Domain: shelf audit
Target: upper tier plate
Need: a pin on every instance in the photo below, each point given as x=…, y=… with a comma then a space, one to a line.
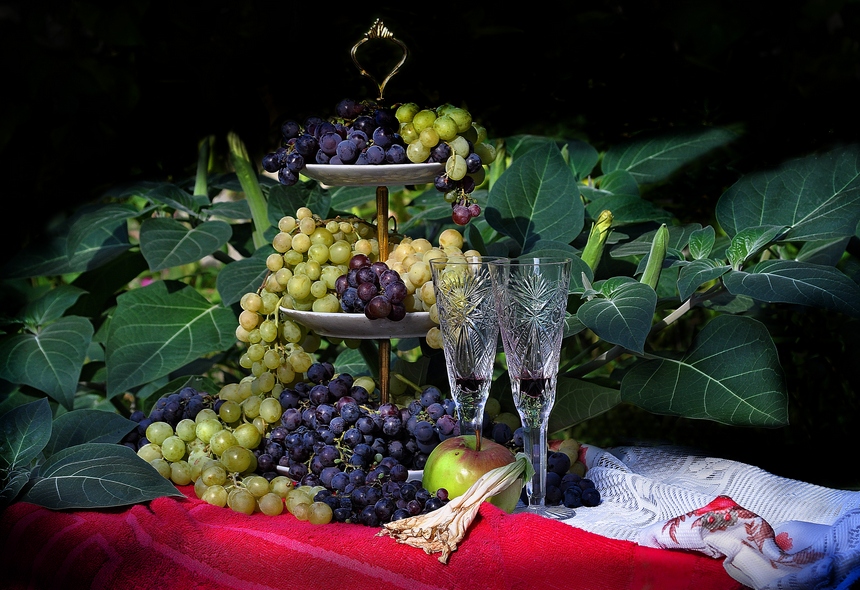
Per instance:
x=370, y=175
x=357, y=326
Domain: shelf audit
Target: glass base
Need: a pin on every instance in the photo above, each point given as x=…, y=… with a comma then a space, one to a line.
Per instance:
x=560, y=512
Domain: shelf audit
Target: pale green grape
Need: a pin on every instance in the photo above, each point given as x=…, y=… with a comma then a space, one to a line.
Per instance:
x=285, y=373
x=266, y=382
x=300, y=361
x=417, y=152
x=149, y=452
x=366, y=382
x=320, y=513
x=248, y=436
x=173, y=448
x=281, y=485
x=434, y=338
x=241, y=500
x=291, y=331
x=455, y=167
x=214, y=475
x=208, y=427
x=461, y=118
x=251, y=406
x=323, y=236
x=269, y=330
x=221, y=441
x=300, y=286
x=274, y=262
x=307, y=225
x=318, y=289
x=257, y=485
x=271, y=504
x=199, y=488
x=215, y=495
x=460, y=146
x=271, y=359
x=408, y=133
x=162, y=466
x=229, y=412
x=205, y=414
x=251, y=302
x=287, y=223
x=406, y=112
x=245, y=361
x=237, y=459
x=330, y=274
x=271, y=410
x=256, y=352
x=319, y=253
x=180, y=473
x=328, y=303
x=423, y=119
x=419, y=273
x=294, y=257
x=283, y=276
x=445, y=127
x=429, y=137
x=282, y=242
x=228, y=391
x=157, y=432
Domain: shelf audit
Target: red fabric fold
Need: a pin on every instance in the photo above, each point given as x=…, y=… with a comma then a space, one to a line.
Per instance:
x=188, y=544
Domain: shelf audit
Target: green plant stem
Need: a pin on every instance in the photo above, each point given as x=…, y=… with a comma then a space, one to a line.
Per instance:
x=201, y=186
x=251, y=186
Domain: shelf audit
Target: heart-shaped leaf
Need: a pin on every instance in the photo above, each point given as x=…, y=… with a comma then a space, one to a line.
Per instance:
x=166, y=243
x=49, y=360
x=26, y=430
x=160, y=328
x=697, y=273
x=51, y=305
x=702, y=242
x=801, y=283
x=818, y=197
x=653, y=159
x=537, y=198
x=174, y=197
x=749, y=241
x=87, y=426
x=242, y=276
x=582, y=157
x=97, y=475
x=624, y=315
x=731, y=374
x=627, y=209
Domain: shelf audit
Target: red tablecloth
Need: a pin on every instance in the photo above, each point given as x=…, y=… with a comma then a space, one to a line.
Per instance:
x=188, y=544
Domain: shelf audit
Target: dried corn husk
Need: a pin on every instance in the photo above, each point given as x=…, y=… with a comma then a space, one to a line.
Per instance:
x=441, y=531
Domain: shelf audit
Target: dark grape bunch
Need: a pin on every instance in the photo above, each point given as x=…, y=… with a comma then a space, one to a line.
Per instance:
x=172, y=408
x=365, y=133
x=371, y=288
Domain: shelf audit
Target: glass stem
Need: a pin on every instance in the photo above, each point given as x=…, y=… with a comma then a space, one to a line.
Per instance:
x=534, y=439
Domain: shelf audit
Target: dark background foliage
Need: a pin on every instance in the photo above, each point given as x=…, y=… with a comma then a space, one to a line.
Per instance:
x=97, y=94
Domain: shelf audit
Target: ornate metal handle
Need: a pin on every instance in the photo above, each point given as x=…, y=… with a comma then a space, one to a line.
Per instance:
x=379, y=31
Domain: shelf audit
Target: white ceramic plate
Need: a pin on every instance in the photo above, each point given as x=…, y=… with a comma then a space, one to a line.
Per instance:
x=370, y=175
x=357, y=326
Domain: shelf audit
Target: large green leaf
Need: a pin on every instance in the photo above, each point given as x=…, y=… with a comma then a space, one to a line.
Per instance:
x=731, y=374
x=242, y=276
x=166, y=243
x=51, y=305
x=750, y=241
x=697, y=273
x=623, y=315
x=285, y=200
x=577, y=400
x=97, y=475
x=236, y=210
x=87, y=426
x=679, y=237
x=26, y=430
x=345, y=198
x=582, y=157
x=536, y=198
x=627, y=209
x=653, y=159
x=174, y=197
x=818, y=197
x=160, y=328
x=49, y=360
x=801, y=283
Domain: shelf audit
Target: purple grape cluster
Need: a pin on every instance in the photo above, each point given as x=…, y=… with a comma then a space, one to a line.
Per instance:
x=563, y=487
x=332, y=435
x=371, y=288
x=360, y=133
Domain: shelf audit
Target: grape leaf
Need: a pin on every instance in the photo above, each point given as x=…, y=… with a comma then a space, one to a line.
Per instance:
x=26, y=430
x=86, y=426
x=49, y=360
x=623, y=315
x=618, y=182
x=749, y=241
x=537, y=198
x=160, y=328
x=802, y=283
x=702, y=242
x=731, y=374
x=817, y=196
x=97, y=475
x=582, y=157
x=166, y=243
x=653, y=159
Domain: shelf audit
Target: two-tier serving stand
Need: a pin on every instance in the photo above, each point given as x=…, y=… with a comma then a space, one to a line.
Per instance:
x=357, y=326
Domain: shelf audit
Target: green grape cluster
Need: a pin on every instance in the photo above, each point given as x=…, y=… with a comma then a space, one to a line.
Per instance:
x=448, y=134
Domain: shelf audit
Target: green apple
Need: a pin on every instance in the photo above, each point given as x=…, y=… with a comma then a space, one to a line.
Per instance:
x=455, y=465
